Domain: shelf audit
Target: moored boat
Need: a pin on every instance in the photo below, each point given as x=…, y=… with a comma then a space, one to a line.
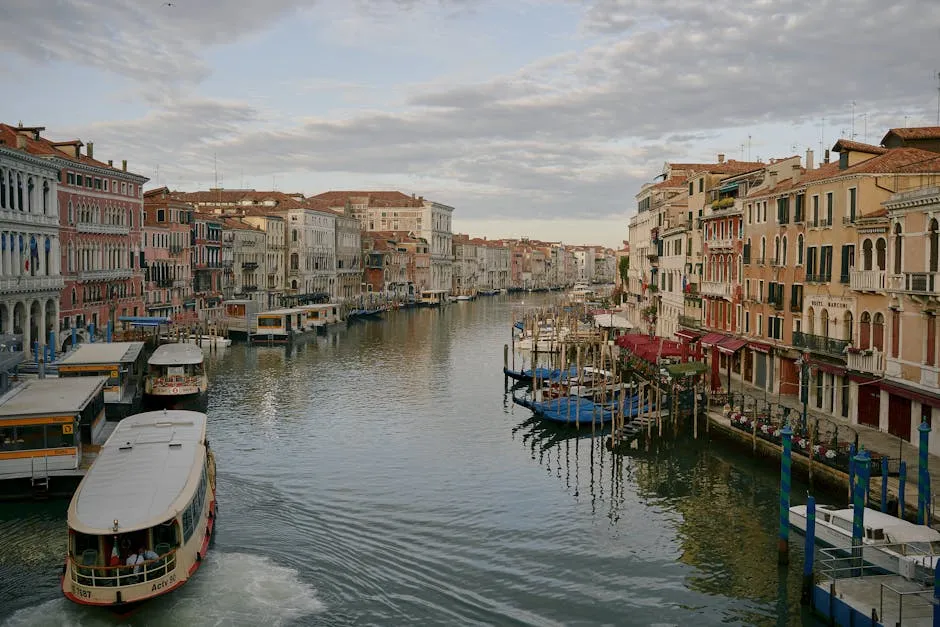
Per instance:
x=176, y=375
x=279, y=326
x=136, y=534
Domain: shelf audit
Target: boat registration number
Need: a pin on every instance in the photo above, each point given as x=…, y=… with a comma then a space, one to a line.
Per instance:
x=160, y=585
x=81, y=592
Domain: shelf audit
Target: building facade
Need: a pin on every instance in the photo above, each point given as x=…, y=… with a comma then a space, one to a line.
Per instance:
x=30, y=258
x=167, y=256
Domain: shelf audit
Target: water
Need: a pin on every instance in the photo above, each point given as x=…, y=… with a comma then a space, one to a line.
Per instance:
x=380, y=475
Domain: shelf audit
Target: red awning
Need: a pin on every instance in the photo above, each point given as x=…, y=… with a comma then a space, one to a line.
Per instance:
x=731, y=345
x=760, y=347
x=712, y=338
x=689, y=336
x=924, y=397
x=825, y=366
x=632, y=340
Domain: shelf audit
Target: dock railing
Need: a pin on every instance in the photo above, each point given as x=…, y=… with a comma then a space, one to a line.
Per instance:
x=903, y=605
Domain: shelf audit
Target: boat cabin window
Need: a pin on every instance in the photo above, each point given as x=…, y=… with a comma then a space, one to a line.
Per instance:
x=874, y=534
x=34, y=437
x=193, y=512
x=269, y=322
x=826, y=517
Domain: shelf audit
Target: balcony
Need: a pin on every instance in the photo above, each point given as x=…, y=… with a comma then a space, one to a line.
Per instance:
x=35, y=219
x=176, y=249
x=819, y=278
x=929, y=376
x=760, y=261
x=717, y=289
x=103, y=229
x=27, y=283
x=249, y=265
x=848, y=220
x=163, y=283
x=777, y=304
x=872, y=361
x=690, y=322
x=820, y=344
x=249, y=288
x=867, y=280
x=924, y=283
x=105, y=275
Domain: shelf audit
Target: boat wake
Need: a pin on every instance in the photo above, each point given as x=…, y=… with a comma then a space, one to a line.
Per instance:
x=231, y=588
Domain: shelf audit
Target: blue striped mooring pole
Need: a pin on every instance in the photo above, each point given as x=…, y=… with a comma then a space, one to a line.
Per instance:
x=922, y=475
x=902, y=483
x=786, y=459
x=862, y=461
x=852, y=453
x=809, y=551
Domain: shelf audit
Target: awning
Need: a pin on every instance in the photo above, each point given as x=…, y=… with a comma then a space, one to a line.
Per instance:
x=825, y=366
x=900, y=389
x=728, y=187
x=731, y=345
x=712, y=339
x=688, y=368
x=760, y=347
x=685, y=334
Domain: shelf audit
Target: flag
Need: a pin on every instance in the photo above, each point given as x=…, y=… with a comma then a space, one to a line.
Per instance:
x=685, y=284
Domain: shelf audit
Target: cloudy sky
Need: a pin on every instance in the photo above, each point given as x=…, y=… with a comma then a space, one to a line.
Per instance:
x=531, y=117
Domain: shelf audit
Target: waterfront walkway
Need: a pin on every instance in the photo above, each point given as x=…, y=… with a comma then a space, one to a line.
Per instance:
x=871, y=439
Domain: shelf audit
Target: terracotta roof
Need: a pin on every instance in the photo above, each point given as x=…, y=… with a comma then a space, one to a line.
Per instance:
x=917, y=132
x=235, y=196
x=728, y=167
x=44, y=147
x=373, y=198
x=238, y=225
x=898, y=161
x=674, y=181
x=848, y=145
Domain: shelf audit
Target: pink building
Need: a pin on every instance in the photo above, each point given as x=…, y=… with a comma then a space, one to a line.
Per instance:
x=168, y=256
x=100, y=220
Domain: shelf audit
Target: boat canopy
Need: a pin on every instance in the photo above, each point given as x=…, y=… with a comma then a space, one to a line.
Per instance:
x=907, y=533
x=179, y=354
x=145, y=321
x=145, y=474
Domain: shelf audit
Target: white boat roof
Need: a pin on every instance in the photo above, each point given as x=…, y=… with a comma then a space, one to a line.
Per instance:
x=898, y=530
x=176, y=354
x=43, y=397
x=145, y=474
x=103, y=353
x=280, y=312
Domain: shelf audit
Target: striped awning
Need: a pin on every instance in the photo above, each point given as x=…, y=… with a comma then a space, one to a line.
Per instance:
x=731, y=345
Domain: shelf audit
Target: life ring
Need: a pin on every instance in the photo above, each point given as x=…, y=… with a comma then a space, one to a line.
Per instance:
x=176, y=390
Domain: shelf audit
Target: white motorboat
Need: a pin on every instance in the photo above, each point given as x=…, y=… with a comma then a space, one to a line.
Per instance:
x=900, y=546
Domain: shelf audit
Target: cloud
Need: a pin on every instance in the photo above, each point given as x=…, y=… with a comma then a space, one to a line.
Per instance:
x=572, y=134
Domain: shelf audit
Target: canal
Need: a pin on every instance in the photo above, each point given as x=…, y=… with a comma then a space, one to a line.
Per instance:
x=381, y=475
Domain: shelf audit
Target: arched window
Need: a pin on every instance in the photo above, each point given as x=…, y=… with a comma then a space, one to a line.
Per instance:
x=864, y=330
x=878, y=332
x=3, y=190
x=866, y=254
x=293, y=235
x=776, y=250
x=934, y=245
x=811, y=321
x=45, y=197
x=29, y=194
x=824, y=322
x=881, y=251
x=74, y=296
x=799, y=249
x=783, y=251
x=898, y=248
x=294, y=261
x=763, y=249
x=847, y=329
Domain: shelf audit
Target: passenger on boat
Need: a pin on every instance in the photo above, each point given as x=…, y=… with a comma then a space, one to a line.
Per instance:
x=148, y=554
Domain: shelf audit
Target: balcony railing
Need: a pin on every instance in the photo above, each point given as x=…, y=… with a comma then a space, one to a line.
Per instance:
x=819, y=278
x=249, y=265
x=914, y=283
x=28, y=283
x=690, y=322
x=872, y=361
x=716, y=288
x=105, y=229
x=820, y=344
x=164, y=283
x=867, y=280
x=760, y=261
x=105, y=275
x=36, y=219
x=847, y=220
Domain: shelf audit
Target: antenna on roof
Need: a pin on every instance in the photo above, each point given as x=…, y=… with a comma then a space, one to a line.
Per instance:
x=853, y=120
x=749, y=147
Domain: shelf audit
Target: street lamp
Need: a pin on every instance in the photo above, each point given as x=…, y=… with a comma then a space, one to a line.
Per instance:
x=802, y=363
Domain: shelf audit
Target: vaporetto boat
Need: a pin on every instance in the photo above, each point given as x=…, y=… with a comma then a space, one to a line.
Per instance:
x=177, y=375
x=150, y=493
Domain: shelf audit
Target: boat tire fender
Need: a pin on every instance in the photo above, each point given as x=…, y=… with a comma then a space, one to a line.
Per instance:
x=198, y=556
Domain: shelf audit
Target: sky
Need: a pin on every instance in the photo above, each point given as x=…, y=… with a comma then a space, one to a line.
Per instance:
x=538, y=118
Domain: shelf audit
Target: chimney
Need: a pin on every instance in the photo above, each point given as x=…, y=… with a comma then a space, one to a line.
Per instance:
x=90, y=150
x=809, y=159
x=795, y=172
x=721, y=157
x=826, y=157
x=110, y=163
x=773, y=178
x=124, y=165
x=21, y=141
